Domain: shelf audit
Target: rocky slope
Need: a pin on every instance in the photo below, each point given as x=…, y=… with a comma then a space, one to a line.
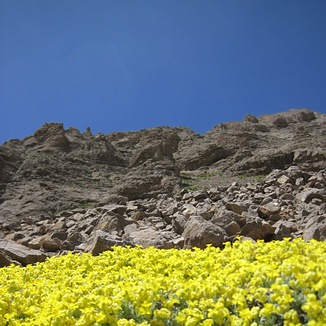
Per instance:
x=262, y=178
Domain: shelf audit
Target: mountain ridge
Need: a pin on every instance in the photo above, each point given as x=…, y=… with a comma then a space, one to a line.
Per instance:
x=57, y=170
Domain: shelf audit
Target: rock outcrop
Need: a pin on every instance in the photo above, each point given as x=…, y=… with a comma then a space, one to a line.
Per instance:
x=63, y=190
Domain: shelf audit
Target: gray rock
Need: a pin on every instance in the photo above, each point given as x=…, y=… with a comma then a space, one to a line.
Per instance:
x=257, y=228
x=284, y=229
x=232, y=229
x=179, y=222
x=6, y=261
x=111, y=222
x=307, y=195
x=199, y=233
x=188, y=210
x=178, y=242
x=157, y=221
x=113, y=208
x=51, y=244
x=196, y=195
x=60, y=225
x=205, y=212
x=287, y=197
x=103, y=241
x=270, y=212
x=250, y=118
x=61, y=235
x=20, y=253
x=36, y=242
x=280, y=122
x=223, y=219
x=73, y=240
x=235, y=207
x=149, y=236
x=315, y=229
x=283, y=180
x=138, y=215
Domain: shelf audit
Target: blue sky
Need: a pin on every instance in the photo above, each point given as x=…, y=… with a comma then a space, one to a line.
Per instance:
x=127, y=65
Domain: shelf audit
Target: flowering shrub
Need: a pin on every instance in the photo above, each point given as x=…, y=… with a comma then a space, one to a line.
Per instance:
x=275, y=283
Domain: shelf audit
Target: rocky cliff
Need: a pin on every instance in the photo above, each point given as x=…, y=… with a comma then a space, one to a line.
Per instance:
x=262, y=178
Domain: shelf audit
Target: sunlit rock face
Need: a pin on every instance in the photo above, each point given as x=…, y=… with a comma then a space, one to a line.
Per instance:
x=262, y=178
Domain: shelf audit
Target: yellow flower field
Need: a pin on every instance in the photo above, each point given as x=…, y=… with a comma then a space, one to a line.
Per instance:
x=275, y=283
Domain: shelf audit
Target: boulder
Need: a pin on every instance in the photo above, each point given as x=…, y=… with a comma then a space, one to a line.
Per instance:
x=256, y=228
x=250, y=118
x=307, y=195
x=224, y=218
x=269, y=212
x=188, y=210
x=179, y=222
x=315, y=229
x=36, y=242
x=235, y=207
x=148, y=236
x=280, y=122
x=199, y=233
x=232, y=229
x=111, y=222
x=6, y=261
x=73, y=240
x=103, y=241
x=283, y=180
x=284, y=229
x=51, y=244
x=20, y=253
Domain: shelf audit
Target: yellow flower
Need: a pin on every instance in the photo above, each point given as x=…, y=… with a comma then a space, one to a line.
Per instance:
x=218, y=313
x=312, y=307
x=291, y=318
x=125, y=322
x=207, y=322
x=162, y=313
x=145, y=308
x=267, y=310
x=235, y=286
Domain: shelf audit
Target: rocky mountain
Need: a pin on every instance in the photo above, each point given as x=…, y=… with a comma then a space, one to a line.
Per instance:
x=262, y=178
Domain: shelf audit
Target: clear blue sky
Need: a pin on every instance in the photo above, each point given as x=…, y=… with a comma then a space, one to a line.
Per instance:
x=131, y=64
